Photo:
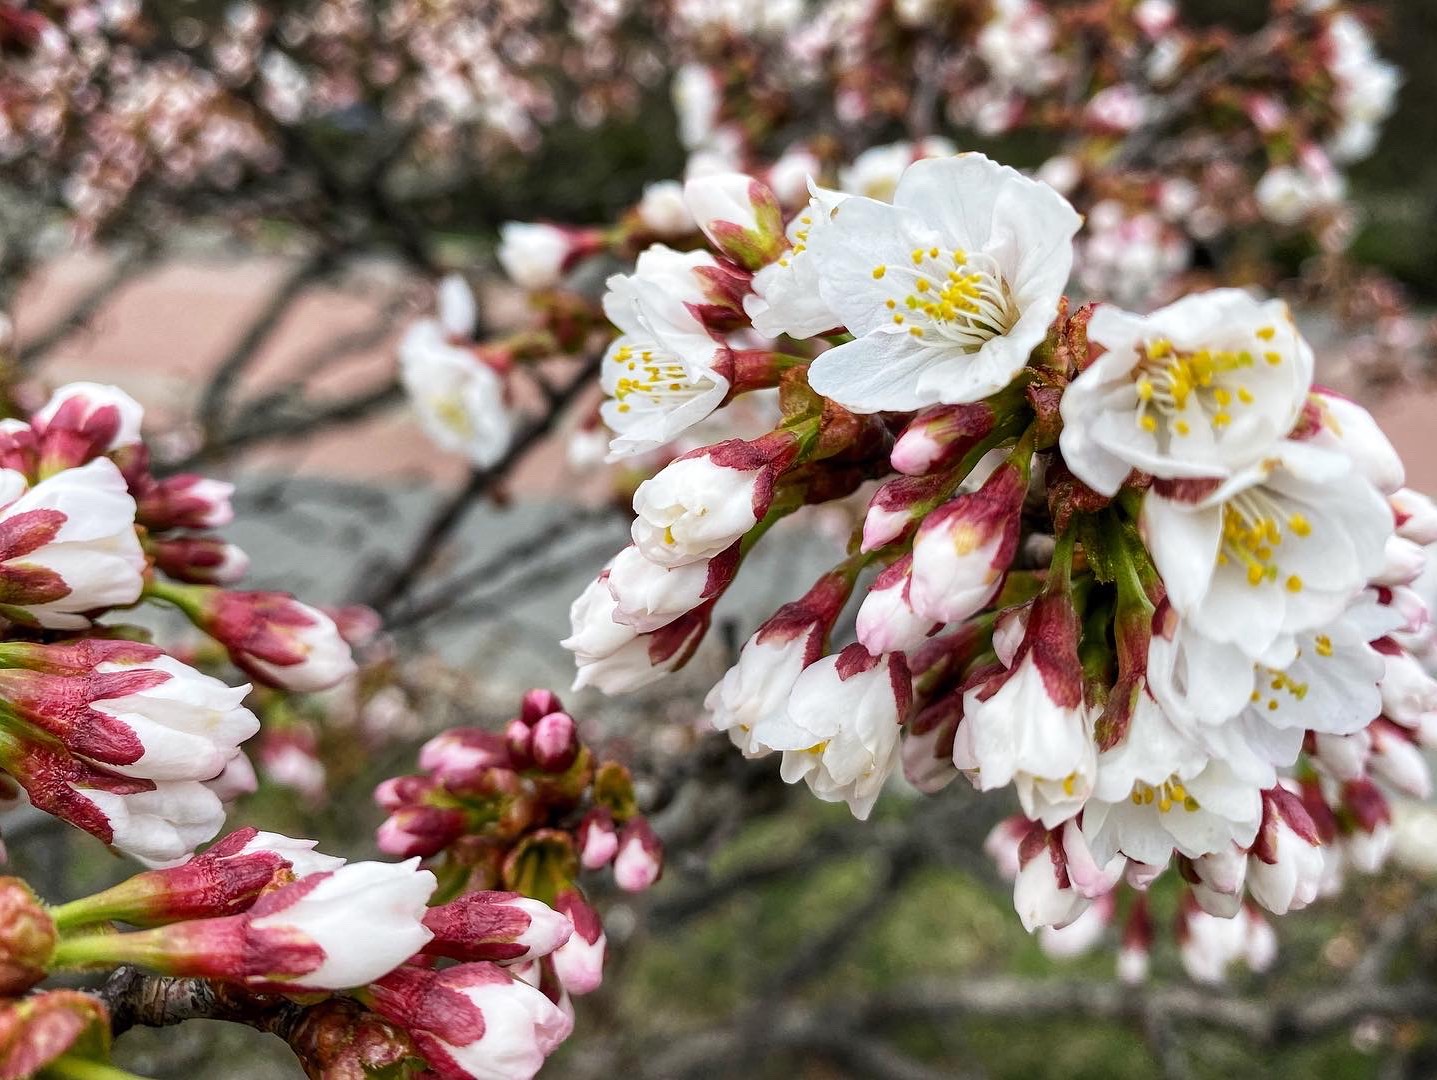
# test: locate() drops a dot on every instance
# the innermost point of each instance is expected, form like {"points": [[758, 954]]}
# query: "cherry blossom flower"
{"points": [[946, 294]]}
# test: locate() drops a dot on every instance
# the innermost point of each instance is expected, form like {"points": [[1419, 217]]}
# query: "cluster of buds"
{"points": [[104, 730], [263, 913], [525, 809], [1138, 568]]}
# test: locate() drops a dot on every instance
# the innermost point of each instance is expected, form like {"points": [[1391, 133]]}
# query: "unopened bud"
{"points": [[640, 860], [537, 704], [555, 744], [740, 215], [598, 839], [519, 742], [27, 937]]}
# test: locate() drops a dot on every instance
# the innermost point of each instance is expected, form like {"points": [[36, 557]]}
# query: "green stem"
{"points": [[102, 950], [1060, 570], [188, 598], [76, 1068]]}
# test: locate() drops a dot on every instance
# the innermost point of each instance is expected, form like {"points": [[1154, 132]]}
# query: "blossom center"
{"points": [[1177, 388], [950, 298], [656, 379], [1253, 528], [453, 415], [1169, 794]]}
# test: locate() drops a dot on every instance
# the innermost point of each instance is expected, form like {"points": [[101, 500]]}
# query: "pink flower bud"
{"points": [[1408, 692], [36, 1030], [277, 639], [1403, 563], [82, 421], [27, 937], [472, 1020], [928, 745], [1043, 892], [536, 256], [518, 741], [598, 839], [330, 930], [1286, 864], [757, 688], [640, 859], [461, 752], [1218, 880], [898, 505], [963, 549], [579, 962], [886, 621], [939, 436], [223, 880], [556, 742], [740, 215], [201, 560], [420, 830], [67, 546], [537, 704], [699, 504], [648, 596], [186, 501], [1416, 516], [156, 821], [503, 927], [135, 710], [1396, 759]]}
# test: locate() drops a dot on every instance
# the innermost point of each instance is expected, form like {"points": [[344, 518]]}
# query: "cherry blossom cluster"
{"points": [[99, 726], [528, 809], [1138, 568], [450, 990]]}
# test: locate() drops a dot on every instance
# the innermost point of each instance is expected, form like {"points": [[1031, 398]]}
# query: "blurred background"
{"points": [[258, 321]]}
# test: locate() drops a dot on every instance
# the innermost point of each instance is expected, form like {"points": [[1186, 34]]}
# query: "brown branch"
{"points": [[125, 267], [481, 482], [285, 295]]}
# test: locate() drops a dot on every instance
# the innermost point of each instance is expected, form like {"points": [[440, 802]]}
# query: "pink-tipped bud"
{"points": [[504, 927], [537, 704], [640, 859], [277, 639], [1137, 944], [937, 437], [1286, 865], [36, 1030], [200, 560], [472, 1020], [897, 507], [27, 937], [963, 549], [579, 962], [84, 420], [1415, 514], [886, 621], [598, 839], [555, 745], [519, 742], [740, 215], [187, 501], [420, 830], [462, 752]]}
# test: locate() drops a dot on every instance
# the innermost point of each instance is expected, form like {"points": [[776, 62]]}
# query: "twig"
{"points": [[286, 294], [481, 481], [121, 273]]}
